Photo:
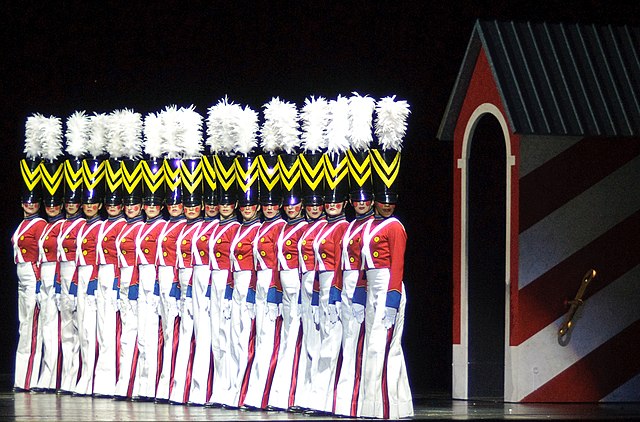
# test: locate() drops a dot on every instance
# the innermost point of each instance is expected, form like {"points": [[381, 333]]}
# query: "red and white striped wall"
{"points": [[572, 204]]}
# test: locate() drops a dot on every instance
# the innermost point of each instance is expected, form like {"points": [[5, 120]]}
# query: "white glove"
{"points": [[358, 312], [56, 299], [91, 303], [273, 311], [226, 308], [315, 312], [389, 317], [251, 309], [186, 307], [333, 313]]}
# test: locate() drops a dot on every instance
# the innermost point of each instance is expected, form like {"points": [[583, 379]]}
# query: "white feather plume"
{"points": [[114, 140], [97, 139], [78, 128], [51, 133], [190, 135], [391, 122], [222, 126], [153, 135], [170, 126], [32, 139], [314, 115], [281, 127], [247, 128], [130, 126], [360, 121], [338, 125]]}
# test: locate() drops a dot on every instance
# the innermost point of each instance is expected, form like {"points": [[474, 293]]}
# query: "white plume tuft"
{"points": [[130, 127], [170, 127], [314, 115], [391, 122], [114, 141], [78, 129], [338, 125], [153, 135], [97, 139], [43, 137], [247, 130], [360, 121], [281, 129], [189, 134], [222, 126]]}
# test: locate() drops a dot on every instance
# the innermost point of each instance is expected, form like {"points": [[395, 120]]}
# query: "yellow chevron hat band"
{"points": [[337, 180], [312, 177], [270, 183], [153, 185], [31, 177], [191, 174], [209, 180], [131, 182], [290, 178], [73, 180], [225, 168], [361, 186], [386, 168], [248, 174], [93, 181]]}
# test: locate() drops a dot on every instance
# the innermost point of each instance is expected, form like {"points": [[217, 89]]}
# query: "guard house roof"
{"points": [[557, 79]]}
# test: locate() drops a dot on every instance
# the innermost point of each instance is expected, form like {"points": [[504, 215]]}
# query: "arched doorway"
{"points": [[486, 255]]}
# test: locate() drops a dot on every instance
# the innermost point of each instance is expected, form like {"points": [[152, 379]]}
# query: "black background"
{"points": [[59, 57]]}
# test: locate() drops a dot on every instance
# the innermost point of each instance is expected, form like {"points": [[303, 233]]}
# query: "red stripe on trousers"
{"points": [[543, 300], [385, 387], [187, 381], [159, 361], [59, 365], [358, 374], [247, 372], [296, 365], [597, 374], [134, 366], [118, 335], [273, 362], [569, 174], [174, 349], [210, 377], [335, 381], [32, 354]]}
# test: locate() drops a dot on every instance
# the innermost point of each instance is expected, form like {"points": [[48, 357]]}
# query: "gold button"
{"points": [[85, 252], [22, 237], [66, 237], [201, 253], [203, 238], [288, 242], [106, 251], [46, 249], [323, 241], [25, 251], [164, 240], [262, 240], [184, 255], [146, 250], [323, 255], [305, 257], [164, 254], [288, 256], [106, 238], [84, 240], [123, 240], [351, 242], [376, 239], [239, 256], [375, 254], [46, 237], [65, 249], [304, 241], [239, 244], [219, 241], [146, 238], [184, 241], [262, 253], [124, 252], [352, 259], [218, 254]]}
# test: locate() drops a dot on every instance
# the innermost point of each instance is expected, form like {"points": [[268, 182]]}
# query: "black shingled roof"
{"points": [[557, 79]]}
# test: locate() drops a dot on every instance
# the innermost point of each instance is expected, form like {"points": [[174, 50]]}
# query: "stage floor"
{"points": [[43, 407]]}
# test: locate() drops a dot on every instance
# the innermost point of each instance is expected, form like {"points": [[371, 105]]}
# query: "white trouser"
{"points": [[86, 316], [310, 347], [68, 329], [281, 395], [181, 375], [352, 336], [378, 342], [147, 333], [241, 326], [48, 327], [202, 335], [128, 333], [220, 314], [324, 373], [168, 309], [106, 323], [267, 343], [27, 360]]}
